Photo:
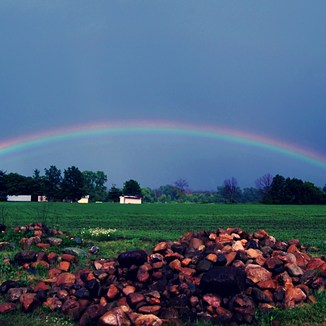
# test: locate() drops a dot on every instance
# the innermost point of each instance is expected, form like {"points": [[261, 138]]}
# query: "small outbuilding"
{"points": [[130, 199], [83, 200]]}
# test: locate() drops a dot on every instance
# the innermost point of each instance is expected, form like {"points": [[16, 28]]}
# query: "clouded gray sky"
{"points": [[257, 67]]}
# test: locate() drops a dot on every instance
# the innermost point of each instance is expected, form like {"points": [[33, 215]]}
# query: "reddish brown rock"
{"points": [[272, 263], [41, 287], [212, 258], [65, 279], [64, 266], [212, 300], [292, 296], [53, 303], [175, 264], [196, 243], [115, 317], [29, 301], [15, 293], [70, 258], [315, 263], [143, 273], [43, 245], [112, 292], [253, 253], [128, 289], [72, 309], [257, 273], [53, 256], [230, 257], [162, 246], [150, 309], [223, 314], [7, 307], [135, 298], [237, 245], [147, 320]]}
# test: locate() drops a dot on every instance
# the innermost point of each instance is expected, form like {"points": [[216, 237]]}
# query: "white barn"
{"points": [[130, 200]]}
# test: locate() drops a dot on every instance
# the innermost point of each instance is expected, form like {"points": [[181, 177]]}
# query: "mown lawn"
{"points": [[141, 226]]}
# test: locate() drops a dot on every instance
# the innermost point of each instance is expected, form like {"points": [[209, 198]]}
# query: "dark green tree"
{"points": [[72, 185], [3, 186], [277, 190], [114, 194], [131, 188], [94, 185], [52, 183]]}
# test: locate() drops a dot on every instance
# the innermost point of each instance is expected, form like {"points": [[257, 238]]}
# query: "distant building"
{"points": [[130, 199], [83, 200], [24, 198]]}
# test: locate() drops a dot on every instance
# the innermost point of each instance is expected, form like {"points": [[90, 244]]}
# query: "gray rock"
{"points": [[75, 251]]}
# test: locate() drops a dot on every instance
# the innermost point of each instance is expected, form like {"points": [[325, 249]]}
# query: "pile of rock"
{"points": [[223, 276]]}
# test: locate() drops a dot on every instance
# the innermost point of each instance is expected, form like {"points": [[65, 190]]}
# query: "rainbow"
{"points": [[22, 144]]}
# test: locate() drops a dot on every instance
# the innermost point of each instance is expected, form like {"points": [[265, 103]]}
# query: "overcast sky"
{"points": [[250, 66]]}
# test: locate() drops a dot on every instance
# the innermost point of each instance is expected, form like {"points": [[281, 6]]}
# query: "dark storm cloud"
{"points": [[257, 66]]}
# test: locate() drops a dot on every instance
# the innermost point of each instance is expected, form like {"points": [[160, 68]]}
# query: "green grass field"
{"points": [[141, 226], [154, 222]]}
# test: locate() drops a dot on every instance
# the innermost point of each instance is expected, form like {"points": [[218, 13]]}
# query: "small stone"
{"points": [[28, 301], [230, 257], [7, 307], [112, 292], [72, 309], [150, 309], [294, 295], [253, 253], [237, 246], [212, 300], [64, 266], [41, 287], [260, 296], [135, 298], [143, 274], [257, 273], [293, 269], [211, 257], [75, 251], [115, 317], [162, 246], [128, 289], [54, 241], [70, 258], [15, 293], [196, 243], [66, 279], [52, 303], [148, 320]]}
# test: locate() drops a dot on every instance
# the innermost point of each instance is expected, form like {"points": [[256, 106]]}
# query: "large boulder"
{"points": [[224, 280]]}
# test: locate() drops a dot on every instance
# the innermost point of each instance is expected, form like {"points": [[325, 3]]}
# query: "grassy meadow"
{"points": [[155, 222], [141, 226]]}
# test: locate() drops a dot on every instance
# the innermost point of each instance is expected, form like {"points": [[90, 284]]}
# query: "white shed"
{"points": [[130, 200]]}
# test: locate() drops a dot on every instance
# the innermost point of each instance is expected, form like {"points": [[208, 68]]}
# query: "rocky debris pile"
{"points": [[222, 276]]}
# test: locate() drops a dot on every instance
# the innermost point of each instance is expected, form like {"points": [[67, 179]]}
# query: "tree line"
{"points": [[72, 184]]}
